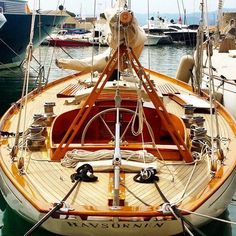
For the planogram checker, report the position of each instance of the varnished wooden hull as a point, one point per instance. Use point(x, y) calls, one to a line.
point(46, 182)
point(103, 226)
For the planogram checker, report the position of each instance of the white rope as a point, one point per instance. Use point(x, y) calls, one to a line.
point(193, 189)
point(158, 151)
point(138, 113)
point(188, 182)
point(26, 81)
point(25, 92)
point(209, 217)
point(72, 158)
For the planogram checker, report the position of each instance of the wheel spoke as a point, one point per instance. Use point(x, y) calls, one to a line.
point(126, 128)
point(109, 130)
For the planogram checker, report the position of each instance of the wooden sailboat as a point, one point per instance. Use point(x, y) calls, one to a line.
point(139, 155)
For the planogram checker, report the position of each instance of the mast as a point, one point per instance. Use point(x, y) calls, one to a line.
point(129, 4)
point(219, 17)
point(199, 51)
point(185, 15)
point(185, 21)
point(117, 154)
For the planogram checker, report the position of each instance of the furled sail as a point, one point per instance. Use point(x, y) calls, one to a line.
point(129, 32)
point(86, 64)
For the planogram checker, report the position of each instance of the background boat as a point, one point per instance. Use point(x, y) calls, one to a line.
point(183, 33)
point(179, 32)
point(73, 40)
point(14, 35)
point(76, 38)
point(161, 39)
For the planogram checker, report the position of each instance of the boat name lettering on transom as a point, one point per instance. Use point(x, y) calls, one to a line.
point(115, 225)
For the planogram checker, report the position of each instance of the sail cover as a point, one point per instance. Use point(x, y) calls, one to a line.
point(131, 34)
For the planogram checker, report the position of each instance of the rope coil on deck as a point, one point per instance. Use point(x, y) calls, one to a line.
point(72, 158)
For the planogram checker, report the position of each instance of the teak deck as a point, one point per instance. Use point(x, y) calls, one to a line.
point(46, 182)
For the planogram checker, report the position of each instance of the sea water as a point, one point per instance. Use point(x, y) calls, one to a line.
point(164, 59)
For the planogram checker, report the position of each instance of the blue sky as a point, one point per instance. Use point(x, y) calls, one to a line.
point(138, 6)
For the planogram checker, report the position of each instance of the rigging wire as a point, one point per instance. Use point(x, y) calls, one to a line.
point(219, 78)
point(199, 56)
point(139, 113)
point(183, 220)
point(212, 99)
point(63, 49)
point(54, 48)
point(118, 45)
point(30, 52)
point(94, 15)
point(149, 54)
point(158, 151)
point(40, 33)
point(176, 213)
point(131, 192)
point(20, 162)
point(9, 68)
point(207, 216)
point(41, 72)
point(9, 47)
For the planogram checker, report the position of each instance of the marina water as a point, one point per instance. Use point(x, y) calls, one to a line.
point(164, 59)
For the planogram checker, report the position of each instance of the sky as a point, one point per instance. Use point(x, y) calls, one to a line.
point(86, 7)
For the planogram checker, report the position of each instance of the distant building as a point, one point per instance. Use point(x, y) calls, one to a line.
point(228, 17)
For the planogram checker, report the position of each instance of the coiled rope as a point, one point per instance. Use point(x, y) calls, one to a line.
point(72, 158)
